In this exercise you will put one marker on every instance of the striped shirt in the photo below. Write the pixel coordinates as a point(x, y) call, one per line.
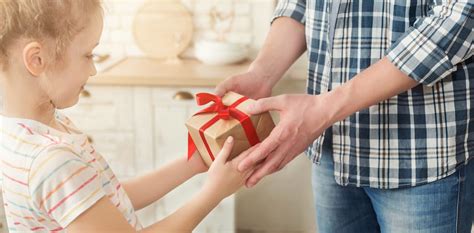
point(49, 177)
point(418, 136)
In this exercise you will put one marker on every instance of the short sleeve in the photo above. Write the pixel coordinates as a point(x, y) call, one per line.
point(62, 185)
point(430, 50)
point(295, 9)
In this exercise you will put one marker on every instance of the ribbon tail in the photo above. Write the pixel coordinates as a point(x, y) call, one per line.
point(191, 147)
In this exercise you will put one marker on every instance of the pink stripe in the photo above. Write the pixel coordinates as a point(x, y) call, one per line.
point(93, 160)
point(18, 181)
point(75, 191)
point(118, 186)
point(46, 136)
point(31, 229)
point(26, 127)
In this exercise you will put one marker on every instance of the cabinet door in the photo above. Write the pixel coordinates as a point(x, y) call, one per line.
point(171, 109)
point(170, 112)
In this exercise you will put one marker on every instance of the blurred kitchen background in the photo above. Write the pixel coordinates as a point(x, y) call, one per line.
point(153, 57)
point(242, 22)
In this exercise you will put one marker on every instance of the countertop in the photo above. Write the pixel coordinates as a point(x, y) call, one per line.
point(134, 71)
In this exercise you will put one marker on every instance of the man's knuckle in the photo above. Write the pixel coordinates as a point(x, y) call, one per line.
point(283, 136)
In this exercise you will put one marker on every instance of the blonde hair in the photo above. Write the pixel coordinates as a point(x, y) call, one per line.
point(59, 20)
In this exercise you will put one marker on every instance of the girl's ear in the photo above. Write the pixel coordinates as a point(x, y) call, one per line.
point(34, 58)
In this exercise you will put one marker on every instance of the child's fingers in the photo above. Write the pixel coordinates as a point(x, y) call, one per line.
point(225, 151)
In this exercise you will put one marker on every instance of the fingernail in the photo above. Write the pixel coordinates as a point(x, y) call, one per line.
point(230, 139)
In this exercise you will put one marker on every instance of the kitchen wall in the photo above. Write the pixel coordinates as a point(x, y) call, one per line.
point(282, 202)
point(250, 26)
point(251, 22)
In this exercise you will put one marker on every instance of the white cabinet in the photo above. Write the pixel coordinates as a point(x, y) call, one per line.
point(138, 129)
point(169, 114)
point(170, 134)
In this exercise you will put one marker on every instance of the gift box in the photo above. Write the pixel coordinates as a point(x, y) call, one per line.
point(226, 116)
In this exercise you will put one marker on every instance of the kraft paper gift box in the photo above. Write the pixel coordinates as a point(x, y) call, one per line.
point(227, 116)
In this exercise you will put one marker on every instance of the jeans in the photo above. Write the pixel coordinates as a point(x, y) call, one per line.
point(443, 206)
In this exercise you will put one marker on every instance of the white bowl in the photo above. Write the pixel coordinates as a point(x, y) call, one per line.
point(219, 53)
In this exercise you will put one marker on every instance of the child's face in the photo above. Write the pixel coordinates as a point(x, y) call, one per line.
point(64, 83)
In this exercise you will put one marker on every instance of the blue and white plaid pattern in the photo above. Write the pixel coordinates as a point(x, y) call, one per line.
point(414, 138)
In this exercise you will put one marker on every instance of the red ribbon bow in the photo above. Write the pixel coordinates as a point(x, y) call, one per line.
point(223, 113)
point(218, 107)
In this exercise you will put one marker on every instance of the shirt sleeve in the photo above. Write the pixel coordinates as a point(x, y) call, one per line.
point(62, 185)
point(430, 50)
point(295, 9)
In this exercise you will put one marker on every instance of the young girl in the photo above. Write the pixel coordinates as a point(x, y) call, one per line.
point(53, 179)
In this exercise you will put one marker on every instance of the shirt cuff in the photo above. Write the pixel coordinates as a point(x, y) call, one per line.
point(420, 58)
point(294, 9)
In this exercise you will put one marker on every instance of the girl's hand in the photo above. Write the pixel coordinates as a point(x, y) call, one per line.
point(197, 163)
point(223, 177)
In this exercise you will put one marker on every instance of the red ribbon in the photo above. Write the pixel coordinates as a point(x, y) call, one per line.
point(223, 113)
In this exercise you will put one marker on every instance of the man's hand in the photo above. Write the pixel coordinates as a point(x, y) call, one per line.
point(303, 118)
point(253, 84)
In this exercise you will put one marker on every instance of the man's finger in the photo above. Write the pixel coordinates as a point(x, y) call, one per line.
point(225, 151)
point(289, 156)
point(245, 154)
point(265, 105)
point(249, 172)
point(260, 153)
point(225, 86)
point(221, 89)
point(269, 166)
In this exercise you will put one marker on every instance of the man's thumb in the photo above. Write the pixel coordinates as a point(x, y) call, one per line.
point(264, 105)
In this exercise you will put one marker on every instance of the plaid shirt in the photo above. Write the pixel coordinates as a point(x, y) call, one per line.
point(418, 136)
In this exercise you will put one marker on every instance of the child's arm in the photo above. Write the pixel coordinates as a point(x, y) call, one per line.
point(105, 217)
point(224, 179)
point(146, 189)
